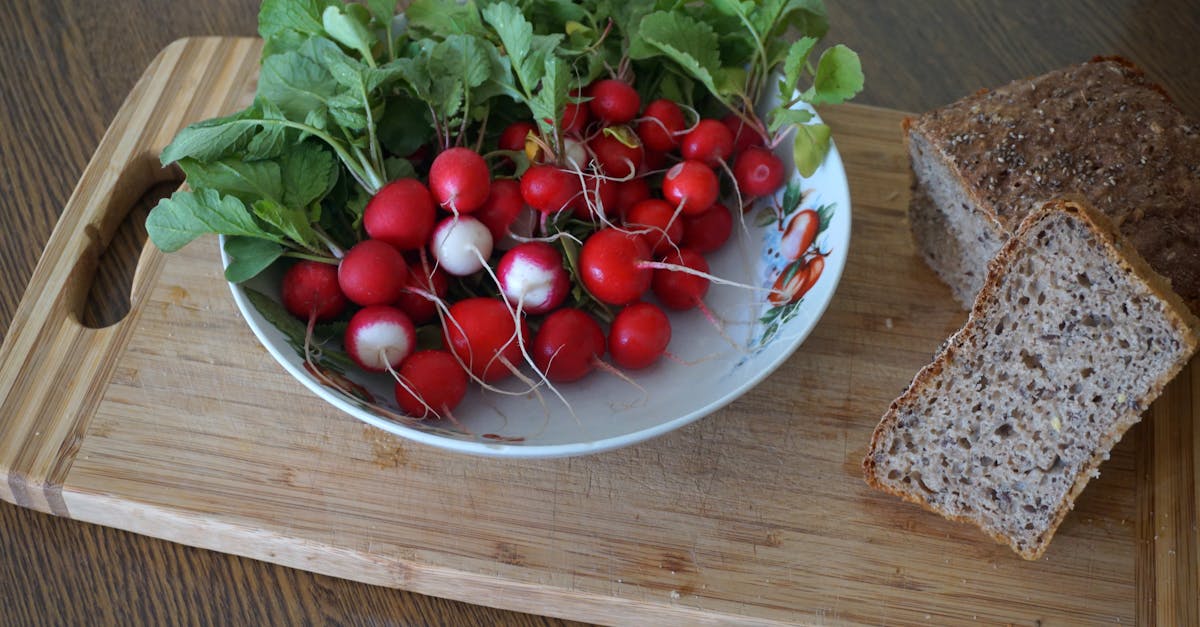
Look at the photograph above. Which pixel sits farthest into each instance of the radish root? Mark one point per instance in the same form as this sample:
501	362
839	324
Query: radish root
616	372
516	315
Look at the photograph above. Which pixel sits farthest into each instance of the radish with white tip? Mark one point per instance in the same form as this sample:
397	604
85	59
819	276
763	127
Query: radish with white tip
575	154
532	277
461	245
379	338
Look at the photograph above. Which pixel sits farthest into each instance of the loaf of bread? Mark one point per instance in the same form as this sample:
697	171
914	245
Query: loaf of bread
1100	130
1070	339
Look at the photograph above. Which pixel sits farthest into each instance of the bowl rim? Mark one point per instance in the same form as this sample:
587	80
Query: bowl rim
499	449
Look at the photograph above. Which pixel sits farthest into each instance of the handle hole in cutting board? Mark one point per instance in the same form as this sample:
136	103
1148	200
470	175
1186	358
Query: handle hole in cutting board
108	297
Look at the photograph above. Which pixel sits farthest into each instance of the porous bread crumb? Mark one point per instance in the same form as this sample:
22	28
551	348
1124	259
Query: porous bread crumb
1069	342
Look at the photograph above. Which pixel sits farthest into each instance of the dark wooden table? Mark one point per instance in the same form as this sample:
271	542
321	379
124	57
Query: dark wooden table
65	67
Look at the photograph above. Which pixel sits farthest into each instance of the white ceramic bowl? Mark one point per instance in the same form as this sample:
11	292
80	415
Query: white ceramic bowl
606	412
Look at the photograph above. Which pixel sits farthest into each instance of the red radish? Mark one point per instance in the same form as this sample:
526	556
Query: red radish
708	231
430	381
692	186
310	289
422	280
514	135
639	336
461	245
629	193
533	275
666	228
744	136
372	273
574	119
568	345
655	160
548	188
661	122
481	332
709	142
614	101
799	234
503	205
598	192
379	337
522	229
459	179
616	157
679	290
611	266
614	267
401	214
758	172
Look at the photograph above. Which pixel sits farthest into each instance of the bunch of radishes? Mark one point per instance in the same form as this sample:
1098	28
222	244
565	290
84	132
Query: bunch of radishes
627	205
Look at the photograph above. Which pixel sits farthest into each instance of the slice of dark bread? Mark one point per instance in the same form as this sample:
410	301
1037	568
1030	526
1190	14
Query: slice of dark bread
1070	339
1100	130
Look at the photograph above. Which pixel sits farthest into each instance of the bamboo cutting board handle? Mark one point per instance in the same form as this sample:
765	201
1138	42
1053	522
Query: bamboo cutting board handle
66	365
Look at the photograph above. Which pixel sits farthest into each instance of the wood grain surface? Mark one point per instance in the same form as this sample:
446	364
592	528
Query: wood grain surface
69	67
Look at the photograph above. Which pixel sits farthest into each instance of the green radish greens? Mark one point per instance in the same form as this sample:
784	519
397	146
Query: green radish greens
347	92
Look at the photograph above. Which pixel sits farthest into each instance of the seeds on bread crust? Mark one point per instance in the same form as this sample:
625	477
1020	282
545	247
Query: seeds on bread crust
1099	129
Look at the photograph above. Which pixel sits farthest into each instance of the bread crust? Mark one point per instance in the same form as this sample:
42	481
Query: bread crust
1100	129
1127	257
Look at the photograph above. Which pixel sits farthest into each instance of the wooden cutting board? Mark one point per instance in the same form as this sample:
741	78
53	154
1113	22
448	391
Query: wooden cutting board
175	423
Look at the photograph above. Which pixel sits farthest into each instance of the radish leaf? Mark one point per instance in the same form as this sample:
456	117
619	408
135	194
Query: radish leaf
810	146
441	18
687	41
248	256
212	139
293	223
348	31
398	168
805	16
404	125
247	180
839	77
187	215
783	117
302	17
795	63
296	83
271	140
307	173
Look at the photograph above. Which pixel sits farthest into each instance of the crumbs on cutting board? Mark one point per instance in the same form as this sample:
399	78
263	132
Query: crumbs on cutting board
387	451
